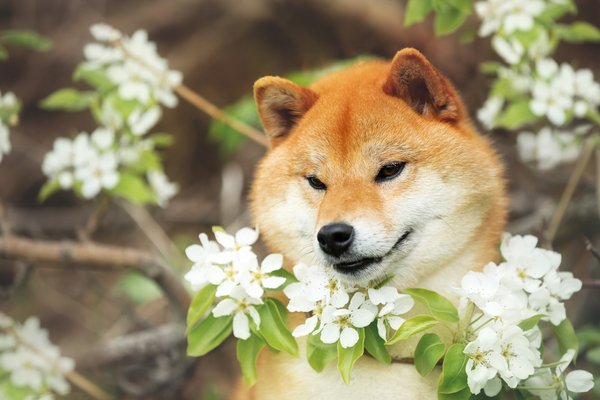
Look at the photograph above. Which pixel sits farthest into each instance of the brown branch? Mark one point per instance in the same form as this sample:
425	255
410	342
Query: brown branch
567	194
88	254
139	345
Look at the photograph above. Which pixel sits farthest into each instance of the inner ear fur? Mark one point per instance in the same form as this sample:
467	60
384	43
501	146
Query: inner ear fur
413	79
281	103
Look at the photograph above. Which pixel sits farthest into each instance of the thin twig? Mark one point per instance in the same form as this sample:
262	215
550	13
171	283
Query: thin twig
74	377
93	255
591	283
567	194
139	345
590	247
200	102
153	231
94	219
215	112
598	179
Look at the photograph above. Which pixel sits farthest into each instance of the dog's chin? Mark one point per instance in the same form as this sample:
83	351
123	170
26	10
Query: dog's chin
366	269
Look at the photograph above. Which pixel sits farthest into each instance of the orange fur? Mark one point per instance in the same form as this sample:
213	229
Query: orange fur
342	130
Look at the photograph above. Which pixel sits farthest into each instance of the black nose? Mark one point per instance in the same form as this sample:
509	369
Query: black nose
336	238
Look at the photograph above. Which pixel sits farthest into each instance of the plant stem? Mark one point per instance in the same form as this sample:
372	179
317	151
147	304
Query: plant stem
567	194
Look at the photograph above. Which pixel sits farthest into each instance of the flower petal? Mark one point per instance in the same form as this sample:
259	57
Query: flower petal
271	263
225	307
330	333
348	337
241	327
579	381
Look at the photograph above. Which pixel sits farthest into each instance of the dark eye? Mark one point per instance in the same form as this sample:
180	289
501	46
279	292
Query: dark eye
390	171
315	183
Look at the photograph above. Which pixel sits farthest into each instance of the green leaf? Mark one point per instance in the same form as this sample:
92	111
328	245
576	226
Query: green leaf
464	394
530	322
578	32
228	138
247	354
27	39
133	188
319	354
208	334
161	140
593	355
411	327
428	352
200	303
93	77
9	391
347	357
48	190
554	11
3	53
588	336
148	160
566	337
439	306
69	99
462	5
375	345
138	288
449	21
273	329
490	67
416	11
454	374
282	273
516	115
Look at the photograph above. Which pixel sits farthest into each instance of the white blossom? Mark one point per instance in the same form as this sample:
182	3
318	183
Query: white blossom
5	146
99	173
162	187
240	304
485	360
391	314
141	121
31	359
548	148
340	323
257	278
488	113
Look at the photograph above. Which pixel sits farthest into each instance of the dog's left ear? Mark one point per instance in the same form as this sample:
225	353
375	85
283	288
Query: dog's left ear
413	79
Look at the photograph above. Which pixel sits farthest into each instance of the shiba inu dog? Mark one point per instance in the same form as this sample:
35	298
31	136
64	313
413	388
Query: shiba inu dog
373	171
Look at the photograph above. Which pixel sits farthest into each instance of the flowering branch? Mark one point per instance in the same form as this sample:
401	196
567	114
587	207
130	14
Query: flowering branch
200	102
93	255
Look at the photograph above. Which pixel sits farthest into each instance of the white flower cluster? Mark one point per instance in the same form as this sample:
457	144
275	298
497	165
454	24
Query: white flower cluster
559	94
87	161
140	80
9	106
525	285
230	264
30	359
133	64
337	309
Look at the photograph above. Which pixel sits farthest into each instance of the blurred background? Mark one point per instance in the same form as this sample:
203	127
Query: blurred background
222	47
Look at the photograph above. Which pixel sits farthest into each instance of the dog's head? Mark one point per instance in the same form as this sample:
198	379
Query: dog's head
374	170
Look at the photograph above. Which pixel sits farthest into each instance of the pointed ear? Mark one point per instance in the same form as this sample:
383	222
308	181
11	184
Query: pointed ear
281	103
413	79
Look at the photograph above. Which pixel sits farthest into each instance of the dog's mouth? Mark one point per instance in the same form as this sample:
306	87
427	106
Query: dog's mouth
356	266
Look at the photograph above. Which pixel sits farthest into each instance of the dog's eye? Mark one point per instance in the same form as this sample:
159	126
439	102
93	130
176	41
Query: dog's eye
390	171
315	183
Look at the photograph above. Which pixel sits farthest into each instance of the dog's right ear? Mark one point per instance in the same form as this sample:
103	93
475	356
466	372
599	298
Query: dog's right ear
281	103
